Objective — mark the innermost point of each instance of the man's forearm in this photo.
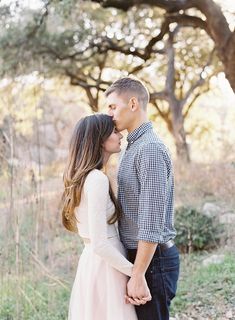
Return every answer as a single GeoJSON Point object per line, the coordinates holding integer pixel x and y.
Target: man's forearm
{"type": "Point", "coordinates": [145, 252]}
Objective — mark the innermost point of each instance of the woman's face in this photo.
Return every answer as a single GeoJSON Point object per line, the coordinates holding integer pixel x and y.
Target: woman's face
{"type": "Point", "coordinates": [113, 143]}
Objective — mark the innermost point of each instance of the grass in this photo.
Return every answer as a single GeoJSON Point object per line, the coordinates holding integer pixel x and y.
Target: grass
{"type": "Point", "coordinates": [205, 292]}
{"type": "Point", "coordinates": [37, 299]}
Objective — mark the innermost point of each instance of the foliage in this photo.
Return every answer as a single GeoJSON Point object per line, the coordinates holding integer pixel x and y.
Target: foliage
{"type": "Point", "coordinates": [92, 36]}
{"type": "Point", "coordinates": [205, 290]}
{"type": "Point", "coordinates": [195, 231]}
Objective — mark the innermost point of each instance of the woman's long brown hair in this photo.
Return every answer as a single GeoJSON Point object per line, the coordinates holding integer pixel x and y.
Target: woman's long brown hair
{"type": "Point", "coordinates": [85, 155]}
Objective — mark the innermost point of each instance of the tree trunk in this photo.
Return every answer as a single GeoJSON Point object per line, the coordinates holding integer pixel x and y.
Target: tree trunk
{"type": "Point", "coordinates": [179, 132]}
{"type": "Point", "coordinates": [224, 38]}
{"type": "Point", "coordinates": [228, 59]}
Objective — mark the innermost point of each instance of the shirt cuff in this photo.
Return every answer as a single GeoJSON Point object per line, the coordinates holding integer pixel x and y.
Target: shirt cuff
{"type": "Point", "coordinates": [150, 236]}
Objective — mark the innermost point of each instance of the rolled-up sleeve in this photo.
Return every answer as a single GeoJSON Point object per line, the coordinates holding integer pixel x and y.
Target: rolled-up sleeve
{"type": "Point", "coordinates": [153, 181]}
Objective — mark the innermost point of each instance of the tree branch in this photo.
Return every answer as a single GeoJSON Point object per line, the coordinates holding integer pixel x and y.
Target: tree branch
{"type": "Point", "coordinates": [217, 26]}
{"type": "Point", "coordinates": [164, 115]}
{"type": "Point", "coordinates": [107, 44]}
{"type": "Point", "coordinates": [170, 6]}
{"type": "Point", "coordinates": [162, 95]}
{"type": "Point", "coordinates": [200, 81]}
{"type": "Point", "coordinates": [40, 20]}
{"type": "Point", "coordinates": [60, 56]}
{"type": "Point", "coordinates": [183, 20]}
{"type": "Point", "coordinates": [82, 82]}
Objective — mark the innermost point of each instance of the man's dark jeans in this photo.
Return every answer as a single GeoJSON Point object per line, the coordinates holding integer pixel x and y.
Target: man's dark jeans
{"type": "Point", "coordinates": [161, 276]}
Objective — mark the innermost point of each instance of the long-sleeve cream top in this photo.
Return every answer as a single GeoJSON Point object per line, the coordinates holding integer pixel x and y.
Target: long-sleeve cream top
{"type": "Point", "coordinates": [93, 212]}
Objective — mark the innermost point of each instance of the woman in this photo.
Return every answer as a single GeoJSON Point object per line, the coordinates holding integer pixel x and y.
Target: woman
{"type": "Point", "coordinates": [89, 207]}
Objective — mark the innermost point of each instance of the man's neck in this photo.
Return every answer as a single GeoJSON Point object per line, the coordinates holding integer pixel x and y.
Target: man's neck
{"type": "Point", "coordinates": [137, 123]}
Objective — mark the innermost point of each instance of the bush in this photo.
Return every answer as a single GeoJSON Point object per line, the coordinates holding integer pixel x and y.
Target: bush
{"type": "Point", "coordinates": [195, 231]}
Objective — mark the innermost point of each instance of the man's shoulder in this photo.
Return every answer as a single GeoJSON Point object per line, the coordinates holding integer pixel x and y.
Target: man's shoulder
{"type": "Point", "coordinates": [152, 142]}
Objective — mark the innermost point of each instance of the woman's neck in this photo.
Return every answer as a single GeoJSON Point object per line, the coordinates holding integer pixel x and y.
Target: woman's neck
{"type": "Point", "coordinates": [106, 158]}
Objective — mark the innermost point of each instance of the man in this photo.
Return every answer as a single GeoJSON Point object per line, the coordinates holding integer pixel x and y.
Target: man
{"type": "Point", "coordinates": [146, 194]}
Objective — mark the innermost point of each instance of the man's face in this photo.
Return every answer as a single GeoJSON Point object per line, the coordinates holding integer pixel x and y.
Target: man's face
{"type": "Point", "coordinates": [119, 109]}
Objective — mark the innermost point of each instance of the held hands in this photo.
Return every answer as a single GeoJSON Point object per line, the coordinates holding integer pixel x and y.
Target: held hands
{"type": "Point", "coordinates": [137, 290]}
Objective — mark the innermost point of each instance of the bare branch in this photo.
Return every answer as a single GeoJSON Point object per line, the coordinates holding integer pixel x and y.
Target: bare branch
{"type": "Point", "coordinates": [197, 95]}
{"type": "Point", "coordinates": [162, 114]}
{"type": "Point", "coordinates": [185, 20]}
{"type": "Point", "coordinates": [201, 79]}
{"type": "Point", "coordinates": [158, 96]}
{"type": "Point", "coordinates": [92, 100]}
{"type": "Point", "coordinates": [197, 84]}
{"type": "Point", "coordinates": [154, 40]}
{"type": "Point", "coordinates": [76, 56]}
{"type": "Point", "coordinates": [40, 20]}
{"type": "Point", "coordinates": [170, 6]}
{"type": "Point", "coordinates": [78, 80]}
{"type": "Point", "coordinates": [107, 44]}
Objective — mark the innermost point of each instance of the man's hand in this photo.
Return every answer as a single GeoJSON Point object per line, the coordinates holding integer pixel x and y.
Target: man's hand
{"type": "Point", "coordinates": [137, 290]}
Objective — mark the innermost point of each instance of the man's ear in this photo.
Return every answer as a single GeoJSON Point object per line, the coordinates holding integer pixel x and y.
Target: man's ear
{"type": "Point", "coordinates": [134, 104]}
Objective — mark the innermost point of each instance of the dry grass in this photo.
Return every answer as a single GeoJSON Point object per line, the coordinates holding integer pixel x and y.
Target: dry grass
{"type": "Point", "coordinates": [198, 183]}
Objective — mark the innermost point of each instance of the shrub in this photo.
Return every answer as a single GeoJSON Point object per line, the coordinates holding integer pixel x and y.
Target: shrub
{"type": "Point", "coordinates": [195, 231]}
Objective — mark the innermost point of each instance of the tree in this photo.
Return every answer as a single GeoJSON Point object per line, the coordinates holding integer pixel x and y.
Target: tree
{"type": "Point", "coordinates": [182, 88]}
{"type": "Point", "coordinates": [85, 47]}
{"type": "Point", "coordinates": [208, 16]}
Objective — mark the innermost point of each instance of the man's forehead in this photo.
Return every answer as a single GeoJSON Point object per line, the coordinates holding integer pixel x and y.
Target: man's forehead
{"type": "Point", "coordinates": [114, 97]}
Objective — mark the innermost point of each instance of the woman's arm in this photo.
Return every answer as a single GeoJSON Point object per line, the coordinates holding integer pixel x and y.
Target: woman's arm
{"type": "Point", "coordinates": [97, 192]}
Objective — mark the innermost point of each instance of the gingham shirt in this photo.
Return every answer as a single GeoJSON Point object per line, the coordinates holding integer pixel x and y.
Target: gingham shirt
{"type": "Point", "coordinates": [146, 189]}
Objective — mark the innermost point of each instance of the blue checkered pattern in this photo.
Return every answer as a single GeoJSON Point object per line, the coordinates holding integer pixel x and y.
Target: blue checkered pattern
{"type": "Point", "coordinates": [146, 189]}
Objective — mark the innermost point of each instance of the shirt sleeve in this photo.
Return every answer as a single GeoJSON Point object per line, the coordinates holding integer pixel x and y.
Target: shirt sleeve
{"type": "Point", "coordinates": [97, 191]}
{"type": "Point", "coordinates": [152, 175]}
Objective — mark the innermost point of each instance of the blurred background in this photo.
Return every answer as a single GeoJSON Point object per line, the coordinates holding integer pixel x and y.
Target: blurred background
{"type": "Point", "coordinates": [57, 57]}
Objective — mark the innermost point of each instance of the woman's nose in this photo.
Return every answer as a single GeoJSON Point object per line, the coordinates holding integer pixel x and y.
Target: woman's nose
{"type": "Point", "coordinates": [120, 135]}
{"type": "Point", "coordinates": [110, 112]}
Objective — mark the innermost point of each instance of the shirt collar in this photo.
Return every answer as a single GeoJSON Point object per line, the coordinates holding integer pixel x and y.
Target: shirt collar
{"type": "Point", "coordinates": [134, 135]}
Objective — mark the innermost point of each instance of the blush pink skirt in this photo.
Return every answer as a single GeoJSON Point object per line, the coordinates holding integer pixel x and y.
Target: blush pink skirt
{"type": "Point", "coordinates": [99, 289]}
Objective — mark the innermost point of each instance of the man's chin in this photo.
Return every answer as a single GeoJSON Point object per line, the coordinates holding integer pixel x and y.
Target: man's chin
{"type": "Point", "coordinates": [119, 128]}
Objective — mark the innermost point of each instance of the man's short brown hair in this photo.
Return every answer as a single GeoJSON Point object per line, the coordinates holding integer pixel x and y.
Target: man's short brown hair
{"type": "Point", "coordinates": [130, 86]}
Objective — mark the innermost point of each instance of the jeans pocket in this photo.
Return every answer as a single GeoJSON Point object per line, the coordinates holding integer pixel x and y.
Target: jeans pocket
{"type": "Point", "coordinates": [170, 263]}
{"type": "Point", "coordinates": [172, 251]}
{"type": "Point", "coordinates": [170, 278]}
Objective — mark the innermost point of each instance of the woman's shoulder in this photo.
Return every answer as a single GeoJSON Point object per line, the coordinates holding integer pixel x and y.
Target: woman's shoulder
{"type": "Point", "coordinates": [95, 173]}
{"type": "Point", "coordinates": [96, 178]}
